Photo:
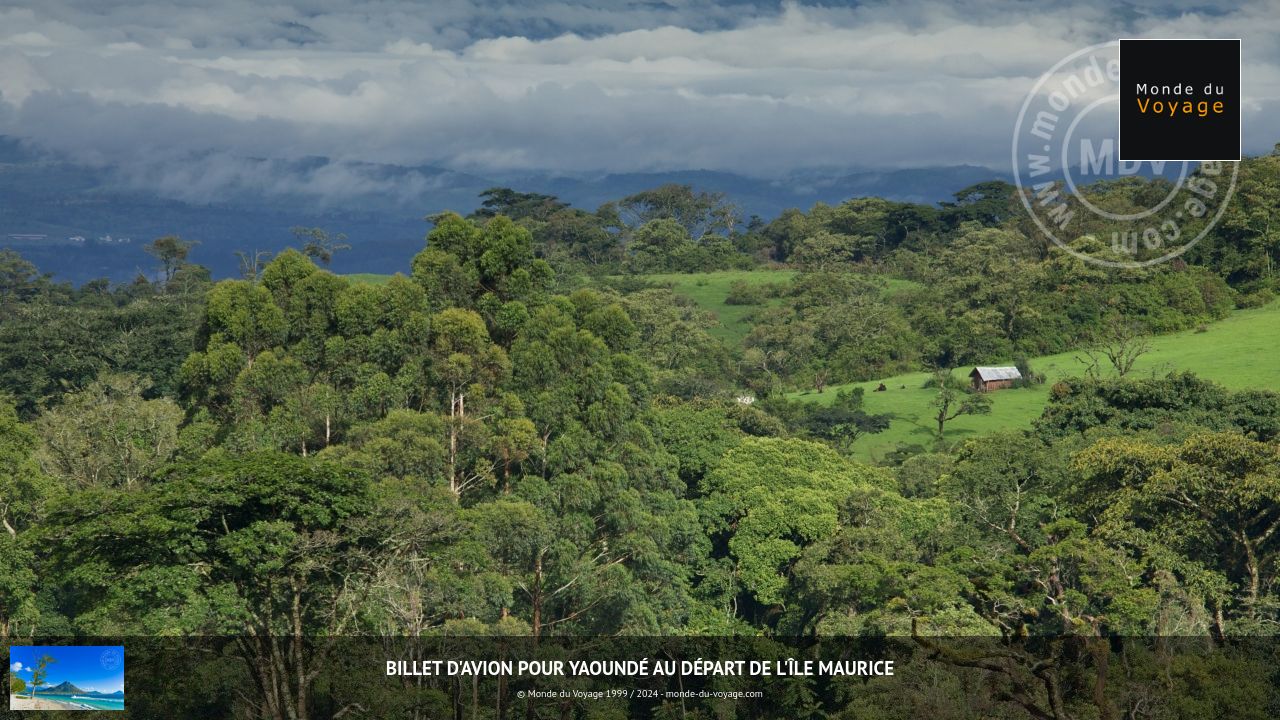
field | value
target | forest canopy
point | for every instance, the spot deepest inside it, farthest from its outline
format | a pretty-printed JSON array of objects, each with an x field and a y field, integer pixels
[{"x": 526, "y": 434}]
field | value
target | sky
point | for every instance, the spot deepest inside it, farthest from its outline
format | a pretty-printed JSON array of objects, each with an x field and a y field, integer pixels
[
  {"x": 758, "y": 88},
  {"x": 83, "y": 667}
]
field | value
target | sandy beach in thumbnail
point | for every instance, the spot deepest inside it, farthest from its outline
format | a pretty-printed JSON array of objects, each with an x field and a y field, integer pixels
[{"x": 24, "y": 702}]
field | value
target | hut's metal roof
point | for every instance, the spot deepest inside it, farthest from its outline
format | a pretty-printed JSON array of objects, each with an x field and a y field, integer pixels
[{"x": 996, "y": 373}]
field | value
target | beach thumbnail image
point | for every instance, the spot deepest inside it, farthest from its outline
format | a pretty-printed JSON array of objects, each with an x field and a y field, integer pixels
[{"x": 66, "y": 677}]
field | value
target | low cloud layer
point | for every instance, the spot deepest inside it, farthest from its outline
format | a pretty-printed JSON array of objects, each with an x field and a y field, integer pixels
[{"x": 755, "y": 88}]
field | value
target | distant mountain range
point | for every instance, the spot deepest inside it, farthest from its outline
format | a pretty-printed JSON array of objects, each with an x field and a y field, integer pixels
[
  {"x": 62, "y": 688},
  {"x": 67, "y": 688},
  {"x": 82, "y": 221}
]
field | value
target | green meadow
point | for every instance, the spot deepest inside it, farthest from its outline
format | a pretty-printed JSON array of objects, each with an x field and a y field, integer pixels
[
  {"x": 709, "y": 290},
  {"x": 1242, "y": 351}
]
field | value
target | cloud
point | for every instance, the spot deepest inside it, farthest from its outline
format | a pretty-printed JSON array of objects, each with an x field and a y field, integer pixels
[
  {"x": 753, "y": 87},
  {"x": 16, "y": 667}
]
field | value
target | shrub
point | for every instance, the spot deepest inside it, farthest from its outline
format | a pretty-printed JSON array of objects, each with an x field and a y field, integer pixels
[
  {"x": 1030, "y": 378},
  {"x": 1255, "y": 299},
  {"x": 743, "y": 293}
]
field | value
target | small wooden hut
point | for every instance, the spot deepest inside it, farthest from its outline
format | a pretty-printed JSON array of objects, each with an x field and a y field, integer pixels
[{"x": 986, "y": 379}]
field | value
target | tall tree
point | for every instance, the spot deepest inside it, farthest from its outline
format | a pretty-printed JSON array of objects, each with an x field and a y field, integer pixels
[
  {"x": 1213, "y": 500},
  {"x": 770, "y": 498},
  {"x": 467, "y": 364},
  {"x": 517, "y": 205},
  {"x": 108, "y": 434},
  {"x": 40, "y": 673},
  {"x": 318, "y": 244},
  {"x": 698, "y": 212},
  {"x": 246, "y": 314},
  {"x": 171, "y": 251},
  {"x": 269, "y": 548},
  {"x": 19, "y": 279},
  {"x": 24, "y": 491}
]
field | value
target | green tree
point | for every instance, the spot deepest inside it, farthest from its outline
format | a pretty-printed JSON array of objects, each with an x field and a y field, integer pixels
[
  {"x": 517, "y": 205},
  {"x": 610, "y": 542},
  {"x": 697, "y": 212},
  {"x": 24, "y": 491},
  {"x": 673, "y": 335},
  {"x": 18, "y": 586},
  {"x": 318, "y": 244},
  {"x": 466, "y": 364},
  {"x": 40, "y": 672},
  {"x": 1052, "y": 589},
  {"x": 1213, "y": 501},
  {"x": 844, "y": 421},
  {"x": 786, "y": 232},
  {"x": 987, "y": 202},
  {"x": 270, "y": 548},
  {"x": 23, "y": 487},
  {"x": 52, "y": 344},
  {"x": 879, "y": 571},
  {"x": 406, "y": 444},
  {"x": 825, "y": 251},
  {"x": 1122, "y": 342},
  {"x": 1174, "y": 401},
  {"x": 769, "y": 498},
  {"x": 655, "y": 245},
  {"x": 579, "y": 235},
  {"x": 171, "y": 251},
  {"x": 435, "y": 565},
  {"x": 1246, "y": 243},
  {"x": 108, "y": 434},
  {"x": 19, "y": 279},
  {"x": 951, "y": 401},
  {"x": 464, "y": 264},
  {"x": 246, "y": 314}
]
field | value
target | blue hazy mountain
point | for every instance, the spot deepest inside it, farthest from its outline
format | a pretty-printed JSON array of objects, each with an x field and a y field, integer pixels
[{"x": 81, "y": 221}]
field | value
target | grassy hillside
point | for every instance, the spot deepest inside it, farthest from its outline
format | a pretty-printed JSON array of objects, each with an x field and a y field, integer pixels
[
  {"x": 1239, "y": 352},
  {"x": 709, "y": 290}
]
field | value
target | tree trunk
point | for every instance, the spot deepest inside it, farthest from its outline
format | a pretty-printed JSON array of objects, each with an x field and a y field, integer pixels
[
  {"x": 536, "y": 599},
  {"x": 457, "y": 412},
  {"x": 1100, "y": 648},
  {"x": 457, "y": 699},
  {"x": 300, "y": 665},
  {"x": 1251, "y": 567},
  {"x": 1219, "y": 633}
]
